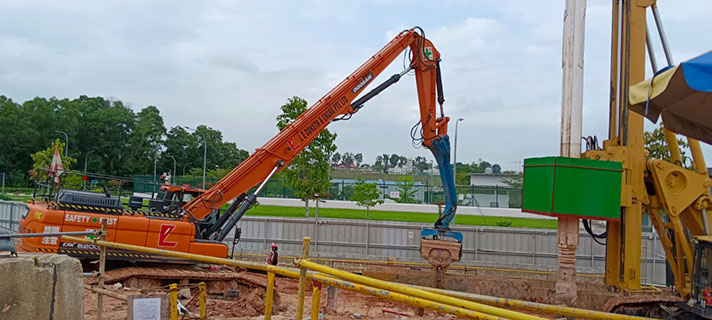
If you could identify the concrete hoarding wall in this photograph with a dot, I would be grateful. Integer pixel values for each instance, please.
(41, 286)
(483, 246)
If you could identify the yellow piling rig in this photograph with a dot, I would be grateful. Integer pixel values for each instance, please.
(414, 292)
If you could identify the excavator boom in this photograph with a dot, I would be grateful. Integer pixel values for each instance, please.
(286, 145)
(340, 104)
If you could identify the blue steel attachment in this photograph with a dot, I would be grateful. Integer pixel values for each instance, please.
(441, 151)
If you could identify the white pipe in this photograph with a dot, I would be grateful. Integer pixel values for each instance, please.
(571, 119)
(572, 86)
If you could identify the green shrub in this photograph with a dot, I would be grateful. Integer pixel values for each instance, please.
(504, 223)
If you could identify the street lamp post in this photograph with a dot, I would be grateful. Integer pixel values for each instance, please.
(66, 143)
(454, 152)
(184, 168)
(205, 152)
(86, 157)
(173, 173)
(430, 180)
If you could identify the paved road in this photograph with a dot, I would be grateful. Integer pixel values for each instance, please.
(405, 207)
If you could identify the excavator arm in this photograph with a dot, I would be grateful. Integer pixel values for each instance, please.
(340, 104)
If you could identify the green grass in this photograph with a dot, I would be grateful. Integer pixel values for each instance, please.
(12, 197)
(298, 212)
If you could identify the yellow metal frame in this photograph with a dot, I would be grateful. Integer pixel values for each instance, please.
(681, 193)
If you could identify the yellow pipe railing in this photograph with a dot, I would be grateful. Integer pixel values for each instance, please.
(422, 264)
(534, 306)
(406, 290)
(413, 301)
(294, 274)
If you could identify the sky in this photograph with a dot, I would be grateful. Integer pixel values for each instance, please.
(230, 65)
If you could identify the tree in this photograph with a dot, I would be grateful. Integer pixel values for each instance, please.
(516, 182)
(386, 162)
(393, 160)
(402, 161)
(496, 168)
(421, 164)
(366, 195)
(484, 165)
(406, 188)
(348, 158)
(308, 173)
(656, 144)
(43, 159)
(378, 165)
(336, 158)
(146, 138)
(359, 158)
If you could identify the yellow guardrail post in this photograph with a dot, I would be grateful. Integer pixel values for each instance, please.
(173, 300)
(316, 295)
(269, 299)
(203, 292)
(406, 290)
(102, 270)
(302, 279)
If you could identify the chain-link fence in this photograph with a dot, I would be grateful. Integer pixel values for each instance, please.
(343, 189)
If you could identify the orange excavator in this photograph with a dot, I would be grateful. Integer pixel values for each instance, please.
(200, 226)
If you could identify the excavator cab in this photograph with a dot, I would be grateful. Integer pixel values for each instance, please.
(700, 303)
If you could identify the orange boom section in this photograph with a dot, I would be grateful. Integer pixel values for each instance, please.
(286, 145)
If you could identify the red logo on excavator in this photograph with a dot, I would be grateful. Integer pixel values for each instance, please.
(292, 145)
(166, 230)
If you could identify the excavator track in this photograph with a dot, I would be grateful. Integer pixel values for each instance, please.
(654, 306)
(224, 283)
(122, 274)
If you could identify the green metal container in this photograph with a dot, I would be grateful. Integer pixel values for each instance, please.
(571, 187)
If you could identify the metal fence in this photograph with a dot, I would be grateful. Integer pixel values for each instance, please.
(339, 238)
(423, 193)
(10, 214)
(481, 245)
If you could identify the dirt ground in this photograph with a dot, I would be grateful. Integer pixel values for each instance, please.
(250, 305)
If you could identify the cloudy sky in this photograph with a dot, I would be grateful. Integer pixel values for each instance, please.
(231, 64)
